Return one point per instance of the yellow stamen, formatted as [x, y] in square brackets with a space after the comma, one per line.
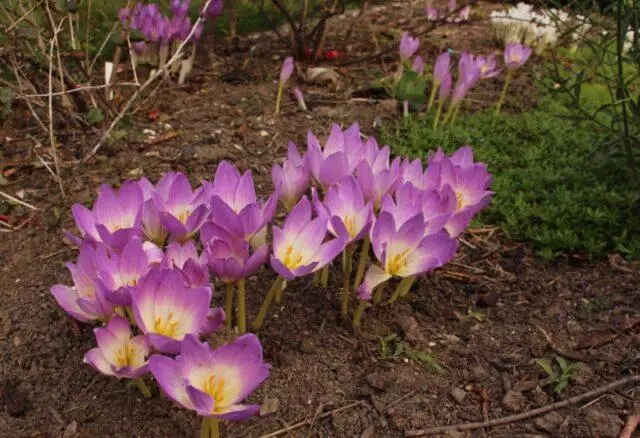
[292, 260]
[398, 262]
[167, 327]
[125, 356]
[462, 200]
[350, 225]
[215, 387]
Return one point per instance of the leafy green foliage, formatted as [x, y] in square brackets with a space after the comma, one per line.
[95, 116]
[411, 87]
[559, 378]
[554, 185]
[391, 347]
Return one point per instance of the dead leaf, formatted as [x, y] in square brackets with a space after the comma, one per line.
[322, 75]
[162, 138]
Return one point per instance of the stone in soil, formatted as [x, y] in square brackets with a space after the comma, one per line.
[550, 422]
[458, 394]
[604, 425]
[514, 401]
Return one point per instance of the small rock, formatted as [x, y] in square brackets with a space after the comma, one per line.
[369, 432]
[550, 422]
[210, 153]
[389, 106]
[458, 394]
[269, 406]
[376, 381]
[514, 401]
[307, 347]
[604, 425]
[71, 430]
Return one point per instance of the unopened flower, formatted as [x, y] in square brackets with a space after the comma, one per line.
[445, 88]
[298, 247]
[442, 68]
[418, 65]
[213, 383]
[297, 93]
[432, 13]
[166, 310]
[286, 70]
[185, 258]
[375, 175]
[119, 353]
[215, 9]
[408, 46]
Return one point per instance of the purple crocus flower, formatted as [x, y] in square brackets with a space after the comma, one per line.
[452, 5]
[166, 310]
[445, 88]
[374, 174]
[292, 179]
[180, 7]
[287, 70]
[468, 69]
[297, 247]
[515, 55]
[215, 9]
[227, 256]
[185, 258]
[119, 272]
[297, 93]
[213, 383]
[432, 13]
[233, 199]
[487, 66]
[408, 46]
[115, 217]
[349, 217]
[442, 68]
[119, 353]
[341, 154]
[181, 210]
[404, 251]
[85, 301]
[436, 207]
[418, 65]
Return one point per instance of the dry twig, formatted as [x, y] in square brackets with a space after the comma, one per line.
[524, 415]
[17, 201]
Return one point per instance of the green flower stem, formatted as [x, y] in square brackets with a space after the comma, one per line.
[447, 116]
[279, 98]
[438, 112]
[242, 307]
[362, 264]
[504, 92]
[228, 306]
[455, 114]
[144, 389]
[377, 293]
[325, 276]
[262, 314]
[348, 252]
[214, 427]
[432, 97]
[316, 278]
[403, 288]
[205, 428]
[357, 315]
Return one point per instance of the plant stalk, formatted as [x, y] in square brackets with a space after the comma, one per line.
[262, 314]
[438, 113]
[402, 289]
[362, 264]
[144, 389]
[432, 97]
[279, 98]
[242, 307]
[504, 92]
[325, 276]
[348, 264]
[357, 315]
[228, 306]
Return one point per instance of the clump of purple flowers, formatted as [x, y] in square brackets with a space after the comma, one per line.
[149, 253]
[164, 32]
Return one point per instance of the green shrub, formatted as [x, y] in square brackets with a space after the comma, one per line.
[553, 187]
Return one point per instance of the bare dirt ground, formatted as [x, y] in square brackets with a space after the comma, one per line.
[477, 325]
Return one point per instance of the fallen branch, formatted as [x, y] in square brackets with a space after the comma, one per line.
[525, 415]
[307, 422]
[160, 72]
[17, 201]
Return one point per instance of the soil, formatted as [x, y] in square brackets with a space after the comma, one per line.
[461, 348]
